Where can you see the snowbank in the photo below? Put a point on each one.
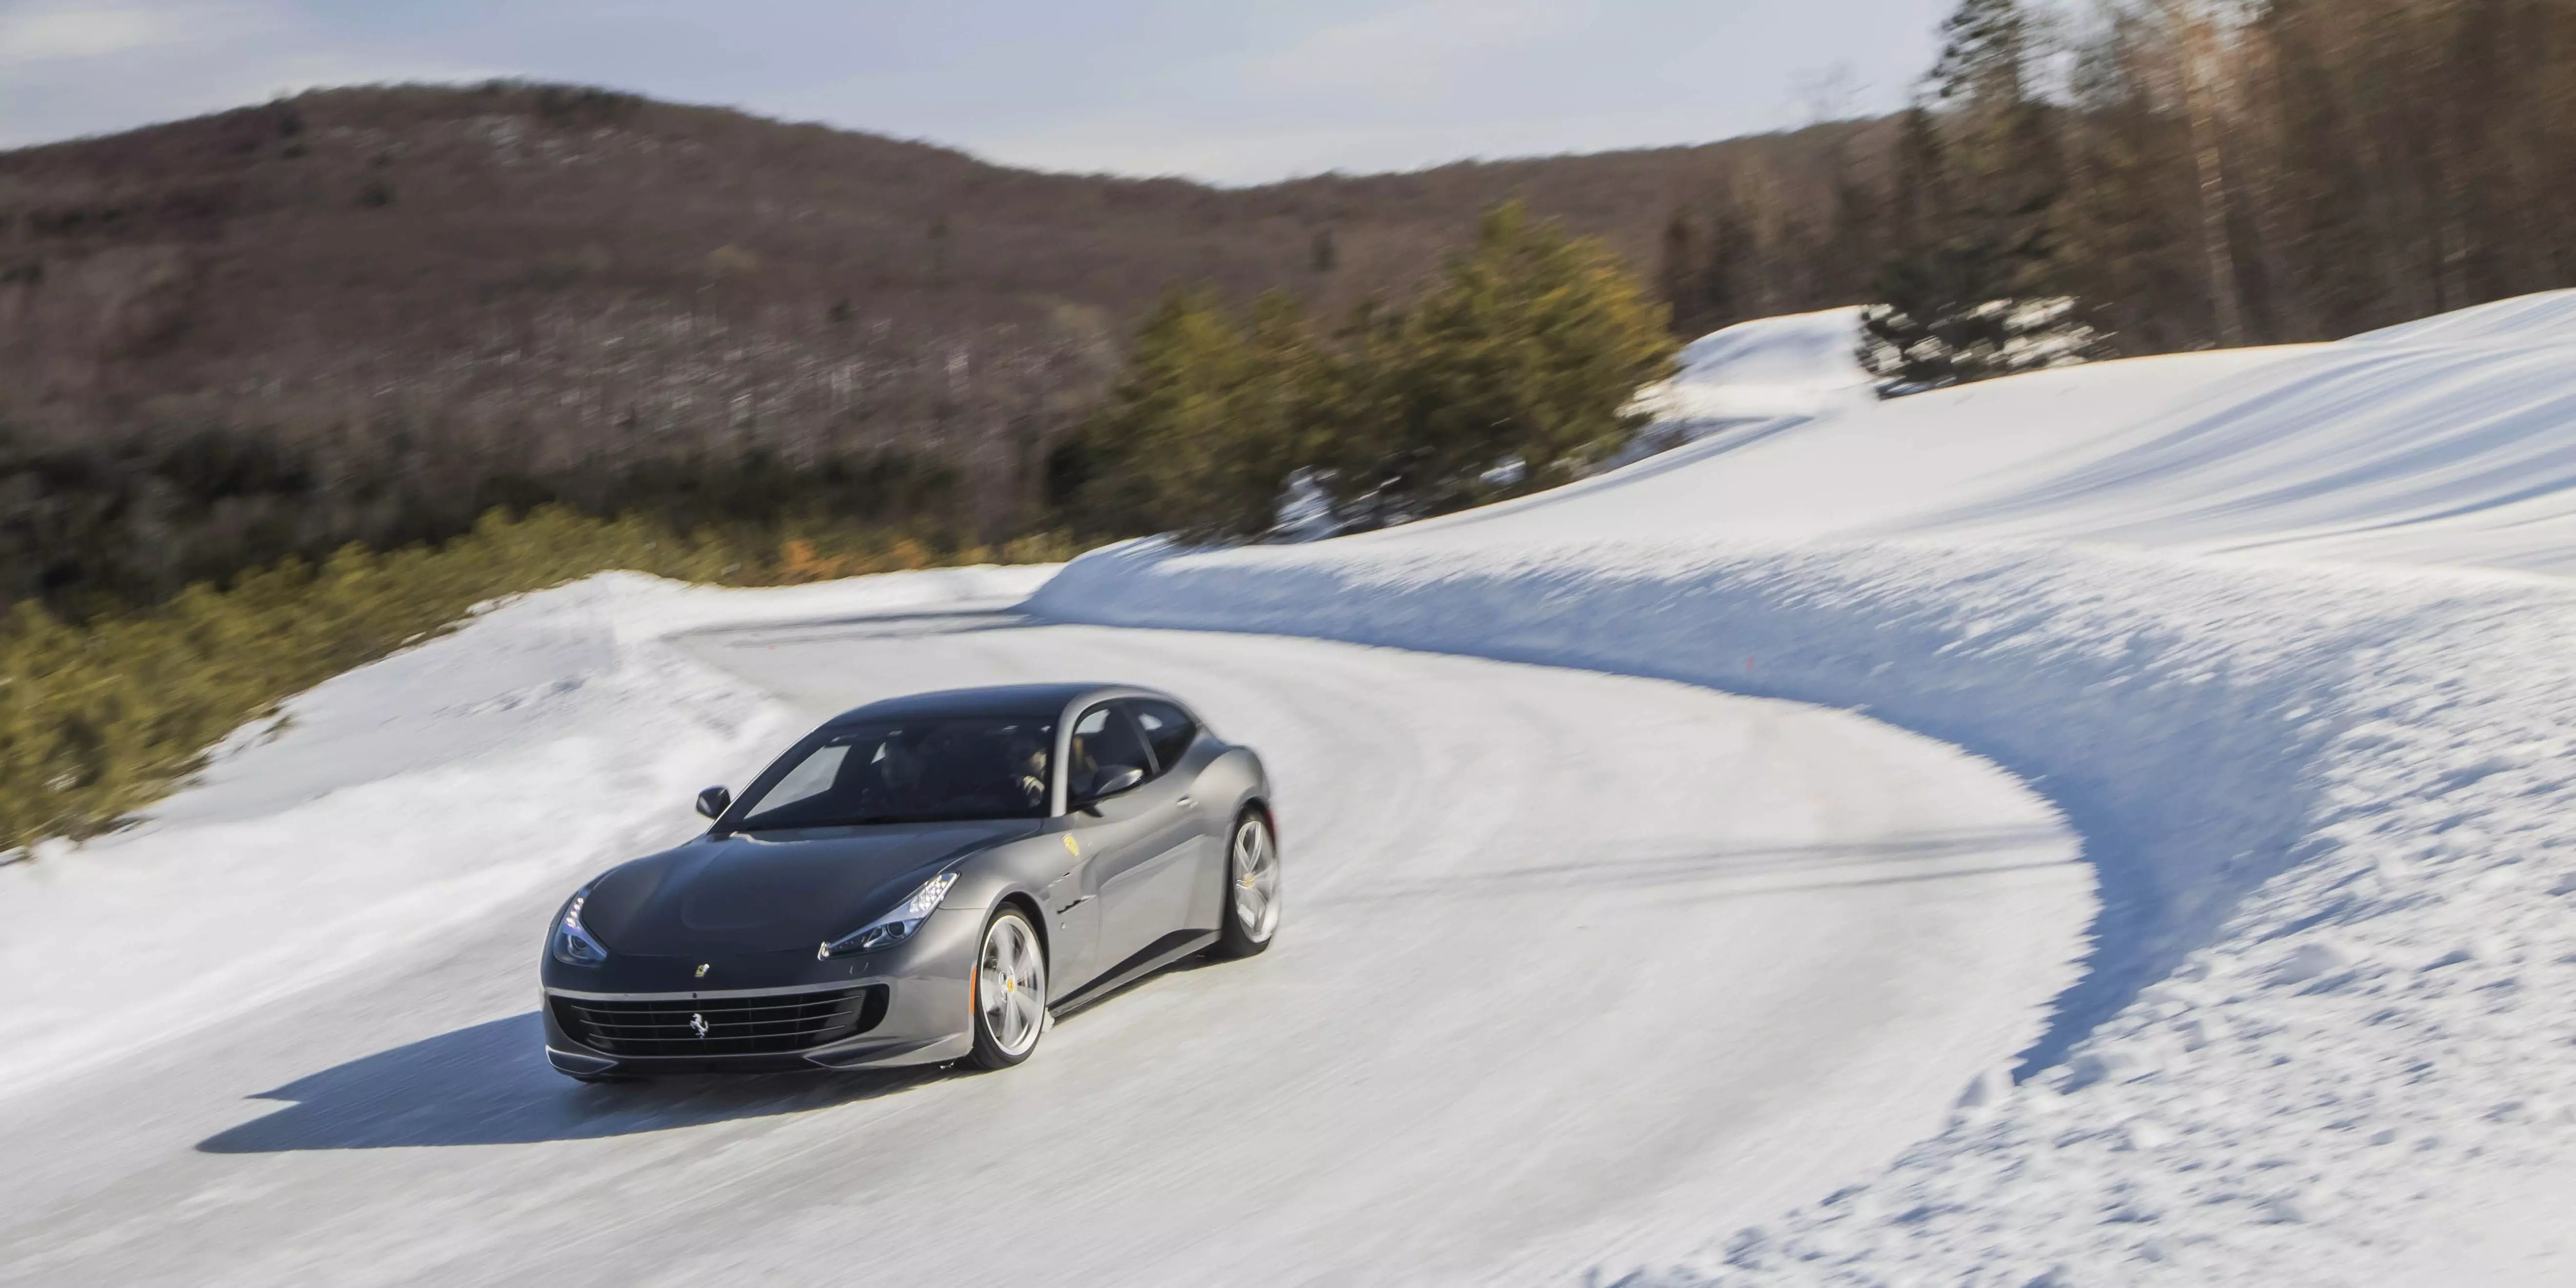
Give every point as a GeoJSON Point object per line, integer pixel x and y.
{"type": "Point", "coordinates": [403, 799]}
{"type": "Point", "coordinates": [1803, 365]}
{"type": "Point", "coordinates": [2328, 1016]}
{"type": "Point", "coordinates": [2328, 813]}
{"type": "Point", "coordinates": [2546, 316]}
{"type": "Point", "coordinates": [2445, 442]}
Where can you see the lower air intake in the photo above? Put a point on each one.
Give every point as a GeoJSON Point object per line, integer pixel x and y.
{"type": "Point", "coordinates": [771, 1024]}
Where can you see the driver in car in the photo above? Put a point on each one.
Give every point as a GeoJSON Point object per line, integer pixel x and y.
{"type": "Point", "coordinates": [1030, 756]}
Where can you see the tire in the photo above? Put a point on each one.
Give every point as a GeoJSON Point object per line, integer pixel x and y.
{"type": "Point", "coordinates": [1248, 911]}
{"type": "Point", "coordinates": [1006, 997]}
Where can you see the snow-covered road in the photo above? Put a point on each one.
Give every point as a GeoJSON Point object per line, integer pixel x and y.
{"type": "Point", "coordinates": [1580, 971]}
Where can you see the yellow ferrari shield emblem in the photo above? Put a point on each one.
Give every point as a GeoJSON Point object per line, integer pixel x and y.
{"type": "Point", "coordinates": [1073, 846]}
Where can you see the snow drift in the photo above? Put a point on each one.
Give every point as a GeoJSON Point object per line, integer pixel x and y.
{"type": "Point", "coordinates": [1803, 365]}
{"type": "Point", "coordinates": [2325, 1031]}
{"type": "Point", "coordinates": [2443, 442]}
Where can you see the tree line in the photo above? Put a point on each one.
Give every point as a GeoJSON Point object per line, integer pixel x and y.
{"type": "Point", "coordinates": [1514, 369]}
{"type": "Point", "coordinates": [96, 528]}
{"type": "Point", "coordinates": [166, 592]}
{"type": "Point", "coordinates": [2164, 175]}
{"type": "Point", "coordinates": [1510, 371]}
{"type": "Point", "coordinates": [100, 717]}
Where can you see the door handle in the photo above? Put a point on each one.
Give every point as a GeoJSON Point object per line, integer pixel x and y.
{"type": "Point", "coordinates": [1183, 803]}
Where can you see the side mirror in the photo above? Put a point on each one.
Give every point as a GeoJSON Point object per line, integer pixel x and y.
{"type": "Point", "coordinates": [714, 801]}
{"type": "Point", "coordinates": [1113, 781]}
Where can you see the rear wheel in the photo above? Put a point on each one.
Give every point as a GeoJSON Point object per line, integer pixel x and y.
{"type": "Point", "coordinates": [1008, 991]}
{"type": "Point", "coordinates": [1251, 914]}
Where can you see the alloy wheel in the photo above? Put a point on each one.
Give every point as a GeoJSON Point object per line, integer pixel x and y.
{"type": "Point", "coordinates": [1256, 880]}
{"type": "Point", "coordinates": [1010, 986]}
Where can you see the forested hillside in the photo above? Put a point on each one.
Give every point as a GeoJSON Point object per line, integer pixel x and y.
{"type": "Point", "coordinates": [2188, 173]}
{"type": "Point", "coordinates": [371, 314]}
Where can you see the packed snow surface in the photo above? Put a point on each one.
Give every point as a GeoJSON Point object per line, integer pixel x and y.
{"type": "Point", "coordinates": [2231, 612]}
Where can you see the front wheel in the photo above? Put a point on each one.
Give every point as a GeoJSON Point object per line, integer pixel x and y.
{"type": "Point", "coordinates": [1008, 992]}
{"type": "Point", "coordinates": [1251, 913]}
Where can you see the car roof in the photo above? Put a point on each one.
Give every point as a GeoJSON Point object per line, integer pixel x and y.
{"type": "Point", "coordinates": [997, 700]}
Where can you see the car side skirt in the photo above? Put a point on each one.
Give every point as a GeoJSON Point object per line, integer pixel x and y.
{"type": "Point", "coordinates": [1152, 957]}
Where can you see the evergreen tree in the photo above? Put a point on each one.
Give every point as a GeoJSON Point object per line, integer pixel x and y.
{"type": "Point", "coordinates": [1514, 373]}
{"type": "Point", "coordinates": [1985, 54]}
{"type": "Point", "coordinates": [1200, 431]}
{"type": "Point", "coordinates": [1972, 292]}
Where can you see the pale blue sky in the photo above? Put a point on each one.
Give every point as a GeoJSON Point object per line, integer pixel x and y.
{"type": "Point", "coordinates": [1234, 92]}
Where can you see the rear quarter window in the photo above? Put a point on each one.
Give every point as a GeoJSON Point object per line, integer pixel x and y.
{"type": "Point", "coordinates": [1168, 729]}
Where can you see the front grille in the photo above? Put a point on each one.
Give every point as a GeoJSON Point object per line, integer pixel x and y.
{"type": "Point", "coordinates": [767, 1025]}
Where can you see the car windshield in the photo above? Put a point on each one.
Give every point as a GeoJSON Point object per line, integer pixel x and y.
{"type": "Point", "coordinates": [907, 771]}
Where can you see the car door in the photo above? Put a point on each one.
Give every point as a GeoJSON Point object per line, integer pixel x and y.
{"type": "Point", "coordinates": [1103, 840]}
{"type": "Point", "coordinates": [1175, 738]}
{"type": "Point", "coordinates": [1144, 890]}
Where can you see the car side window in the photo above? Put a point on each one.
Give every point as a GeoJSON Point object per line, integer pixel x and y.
{"type": "Point", "coordinates": [1104, 741]}
{"type": "Point", "coordinates": [1168, 729]}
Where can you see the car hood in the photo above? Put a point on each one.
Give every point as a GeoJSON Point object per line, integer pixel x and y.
{"type": "Point", "coordinates": [776, 890]}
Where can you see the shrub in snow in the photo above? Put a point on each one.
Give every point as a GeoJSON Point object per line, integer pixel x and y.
{"type": "Point", "coordinates": [1909, 354]}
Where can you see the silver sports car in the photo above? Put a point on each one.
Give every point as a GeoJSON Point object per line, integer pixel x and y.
{"type": "Point", "coordinates": [920, 880]}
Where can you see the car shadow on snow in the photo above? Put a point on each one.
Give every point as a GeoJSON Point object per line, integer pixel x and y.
{"type": "Point", "coordinates": [489, 1084]}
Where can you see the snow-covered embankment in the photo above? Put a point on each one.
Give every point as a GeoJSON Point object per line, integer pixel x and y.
{"type": "Point", "coordinates": [2325, 1031]}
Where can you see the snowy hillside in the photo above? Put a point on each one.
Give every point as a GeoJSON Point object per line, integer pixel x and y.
{"type": "Point", "coordinates": [2445, 442]}
{"type": "Point", "coordinates": [2325, 1033]}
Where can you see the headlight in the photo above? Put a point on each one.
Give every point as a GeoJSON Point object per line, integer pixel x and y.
{"type": "Point", "coordinates": [571, 942]}
{"type": "Point", "coordinates": [894, 927]}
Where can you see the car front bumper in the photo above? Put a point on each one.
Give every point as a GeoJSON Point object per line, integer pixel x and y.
{"type": "Point", "coordinates": [745, 1020]}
